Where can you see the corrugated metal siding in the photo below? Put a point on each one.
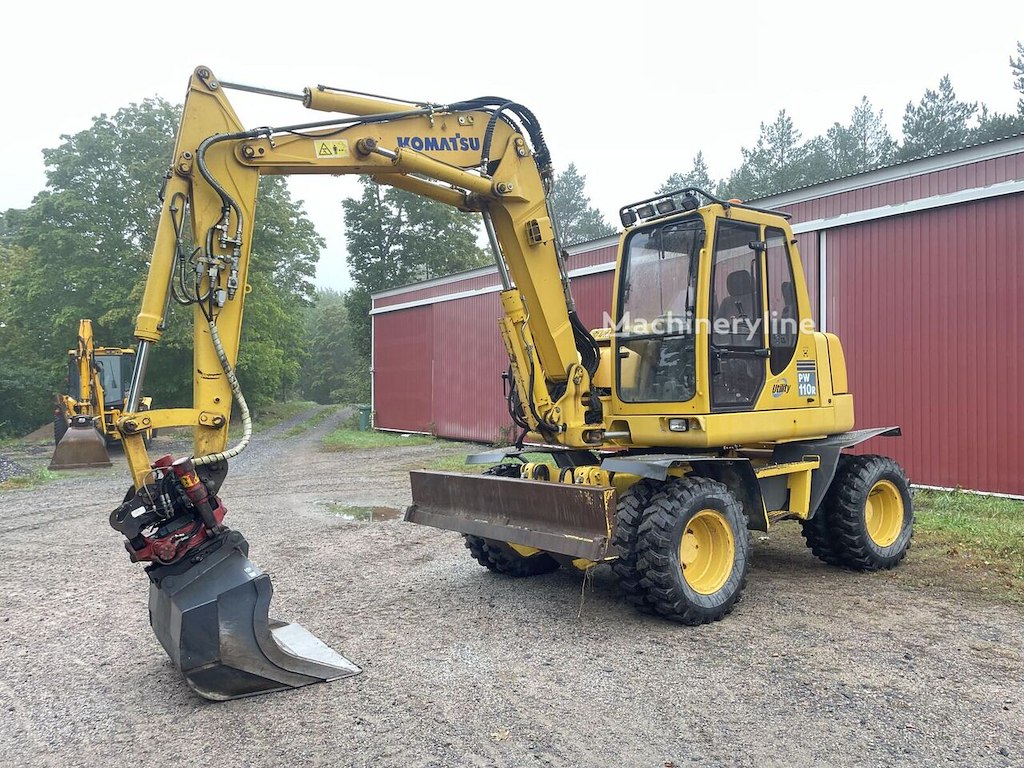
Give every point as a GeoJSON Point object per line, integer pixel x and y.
{"type": "Point", "coordinates": [981, 174]}
{"type": "Point", "coordinates": [928, 307]}
{"type": "Point", "coordinates": [437, 367]}
{"type": "Point", "coordinates": [456, 286]}
{"type": "Point", "coordinates": [593, 297]}
{"type": "Point", "coordinates": [489, 279]}
{"type": "Point", "coordinates": [469, 358]}
{"type": "Point", "coordinates": [403, 354]}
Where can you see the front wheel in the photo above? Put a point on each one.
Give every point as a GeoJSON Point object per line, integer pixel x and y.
{"type": "Point", "coordinates": [693, 550]}
{"type": "Point", "coordinates": [501, 557]}
{"type": "Point", "coordinates": [869, 512]}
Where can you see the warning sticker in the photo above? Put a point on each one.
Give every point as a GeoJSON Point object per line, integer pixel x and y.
{"type": "Point", "coordinates": [325, 148]}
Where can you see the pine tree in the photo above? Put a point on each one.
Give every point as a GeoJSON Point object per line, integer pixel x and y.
{"type": "Point", "coordinates": [577, 220]}
{"type": "Point", "coordinates": [698, 176]}
{"type": "Point", "coordinates": [939, 123]}
{"type": "Point", "coordinates": [777, 162]}
{"type": "Point", "coordinates": [1017, 68]}
{"type": "Point", "coordinates": [864, 143]}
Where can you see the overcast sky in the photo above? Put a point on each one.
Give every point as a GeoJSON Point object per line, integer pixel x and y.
{"type": "Point", "coordinates": [628, 92]}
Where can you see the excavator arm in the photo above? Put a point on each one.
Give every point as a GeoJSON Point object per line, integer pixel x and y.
{"type": "Point", "coordinates": [484, 155]}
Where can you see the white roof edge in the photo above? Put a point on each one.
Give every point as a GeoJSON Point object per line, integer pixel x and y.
{"type": "Point", "coordinates": [469, 274]}
{"type": "Point", "coordinates": [978, 153]}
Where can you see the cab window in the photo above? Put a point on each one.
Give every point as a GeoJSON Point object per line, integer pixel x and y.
{"type": "Point", "coordinates": [784, 320]}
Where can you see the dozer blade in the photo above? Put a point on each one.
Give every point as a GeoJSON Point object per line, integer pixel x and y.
{"type": "Point", "coordinates": [213, 621]}
{"type": "Point", "coordinates": [574, 520]}
{"type": "Point", "coordinates": [82, 447]}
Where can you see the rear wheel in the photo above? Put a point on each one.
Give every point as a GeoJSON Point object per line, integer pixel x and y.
{"type": "Point", "coordinates": [869, 512]}
{"type": "Point", "coordinates": [499, 556]}
{"type": "Point", "coordinates": [693, 550]}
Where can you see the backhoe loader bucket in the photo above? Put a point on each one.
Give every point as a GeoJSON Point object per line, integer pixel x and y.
{"type": "Point", "coordinates": [82, 447]}
{"type": "Point", "coordinates": [213, 621]}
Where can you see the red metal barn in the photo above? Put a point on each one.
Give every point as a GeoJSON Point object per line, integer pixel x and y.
{"type": "Point", "coordinates": [916, 266]}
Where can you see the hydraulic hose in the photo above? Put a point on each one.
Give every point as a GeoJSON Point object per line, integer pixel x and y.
{"type": "Point", "coordinates": [236, 391]}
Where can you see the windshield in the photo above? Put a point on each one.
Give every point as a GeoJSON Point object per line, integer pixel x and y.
{"type": "Point", "coordinates": [109, 367]}
{"type": "Point", "coordinates": [655, 332]}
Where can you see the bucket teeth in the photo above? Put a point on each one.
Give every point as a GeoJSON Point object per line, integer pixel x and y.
{"type": "Point", "coordinates": [213, 621]}
{"type": "Point", "coordinates": [82, 447]}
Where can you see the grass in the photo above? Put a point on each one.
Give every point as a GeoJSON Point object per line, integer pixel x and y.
{"type": "Point", "coordinates": [456, 462]}
{"type": "Point", "coordinates": [985, 532]}
{"type": "Point", "coordinates": [31, 480]}
{"type": "Point", "coordinates": [349, 439]}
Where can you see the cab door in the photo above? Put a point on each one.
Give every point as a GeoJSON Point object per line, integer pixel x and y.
{"type": "Point", "coordinates": [738, 347]}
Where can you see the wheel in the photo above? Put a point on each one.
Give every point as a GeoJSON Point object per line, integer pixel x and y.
{"type": "Point", "coordinates": [693, 550]}
{"type": "Point", "coordinates": [818, 535]}
{"type": "Point", "coordinates": [869, 512]}
{"type": "Point", "coordinates": [498, 556]}
{"type": "Point", "coordinates": [60, 427]}
{"type": "Point", "coordinates": [628, 515]}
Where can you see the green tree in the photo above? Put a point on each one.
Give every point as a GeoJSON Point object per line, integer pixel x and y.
{"type": "Point", "coordinates": [860, 145]}
{"type": "Point", "coordinates": [578, 221]}
{"type": "Point", "coordinates": [996, 125]}
{"type": "Point", "coordinates": [698, 176]}
{"type": "Point", "coordinates": [1017, 68]}
{"type": "Point", "coordinates": [777, 162]}
{"type": "Point", "coordinates": [87, 239]}
{"type": "Point", "coordinates": [335, 371]}
{"type": "Point", "coordinates": [940, 122]}
{"type": "Point", "coordinates": [397, 237]}
{"type": "Point", "coordinates": [26, 394]}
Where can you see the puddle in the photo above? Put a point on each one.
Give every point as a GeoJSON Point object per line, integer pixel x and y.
{"type": "Point", "coordinates": [362, 514]}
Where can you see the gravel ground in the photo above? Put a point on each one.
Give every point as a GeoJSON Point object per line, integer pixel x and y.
{"type": "Point", "coordinates": [9, 469]}
{"type": "Point", "coordinates": [461, 667]}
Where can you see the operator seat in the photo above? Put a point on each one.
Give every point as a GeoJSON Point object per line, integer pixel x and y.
{"type": "Point", "coordinates": [738, 305]}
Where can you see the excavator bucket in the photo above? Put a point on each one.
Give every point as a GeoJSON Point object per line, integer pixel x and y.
{"type": "Point", "coordinates": [82, 447]}
{"type": "Point", "coordinates": [213, 621]}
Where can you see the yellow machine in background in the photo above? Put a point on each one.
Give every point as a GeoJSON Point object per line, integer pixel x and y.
{"type": "Point", "coordinates": [85, 419]}
{"type": "Point", "coordinates": [712, 406]}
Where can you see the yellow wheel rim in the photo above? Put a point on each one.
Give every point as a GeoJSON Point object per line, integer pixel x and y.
{"type": "Point", "coordinates": [883, 513]}
{"type": "Point", "coordinates": [706, 551]}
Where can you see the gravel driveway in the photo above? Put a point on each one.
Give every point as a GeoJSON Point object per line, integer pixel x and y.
{"type": "Point", "coordinates": [461, 667]}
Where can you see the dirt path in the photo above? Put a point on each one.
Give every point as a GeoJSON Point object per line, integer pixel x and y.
{"type": "Point", "coordinates": [815, 667]}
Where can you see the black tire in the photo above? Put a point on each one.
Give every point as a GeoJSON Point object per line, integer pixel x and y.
{"type": "Point", "coordinates": [818, 535]}
{"type": "Point", "coordinates": [847, 510]}
{"type": "Point", "coordinates": [60, 427]}
{"type": "Point", "coordinates": [628, 516]}
{"type": "Point", "coordinates": [501, 558]}
{"type": "Point", "coordinates": [670, 515]}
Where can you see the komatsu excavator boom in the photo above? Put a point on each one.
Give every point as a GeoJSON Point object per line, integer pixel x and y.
{"type": "Point", "coordinates": [695, 417]}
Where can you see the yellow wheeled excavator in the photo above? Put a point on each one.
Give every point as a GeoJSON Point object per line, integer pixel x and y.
{"type": "Point", "coordinates": [708, 407]}
{"type": "Point", "coordinates": [87, 411]}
